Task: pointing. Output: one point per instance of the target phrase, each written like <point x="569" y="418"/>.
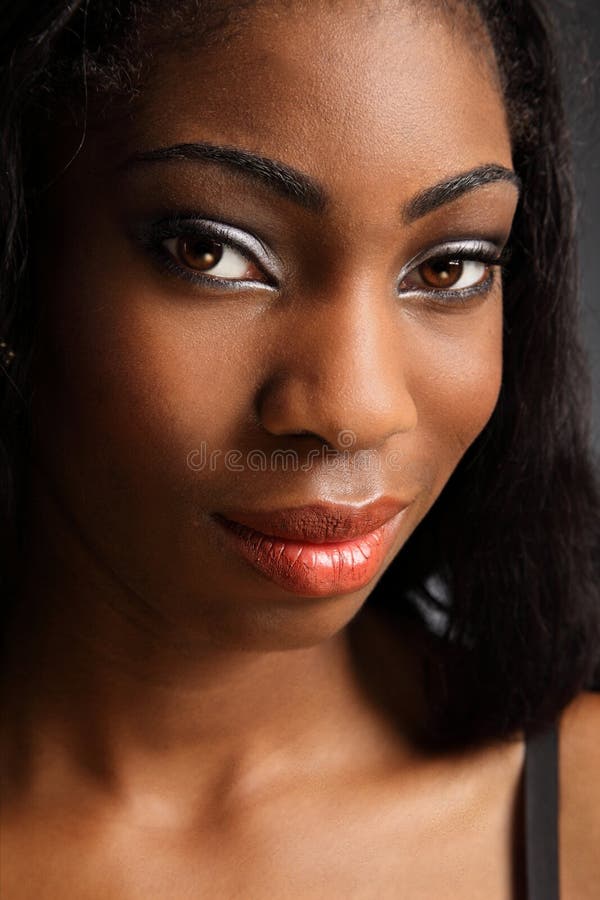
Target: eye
<point x="444" y="273"/>
<point x="203" y="251"/>
<point x="456" y="271"/>
<point x="203" y="254"/>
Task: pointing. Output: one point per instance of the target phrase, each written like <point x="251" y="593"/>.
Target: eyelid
<point x="476" y="250"/>
<point x="244" y="242"/>
<point x="153" y="233"/>
<point x="482" y="250"/>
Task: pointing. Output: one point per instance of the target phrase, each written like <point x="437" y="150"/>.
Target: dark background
<point x="579" y="36"/>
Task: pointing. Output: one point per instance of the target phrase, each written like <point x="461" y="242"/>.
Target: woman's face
<point x="315" y="323"/>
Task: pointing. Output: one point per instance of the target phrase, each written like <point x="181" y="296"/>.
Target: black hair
<point x="507" y="561"/>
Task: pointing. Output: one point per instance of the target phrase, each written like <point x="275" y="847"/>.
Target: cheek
<point x="131" y="381"/>
<point x="458" y="383"/>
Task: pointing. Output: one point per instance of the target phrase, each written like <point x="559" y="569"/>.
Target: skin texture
<point x="190" y="728"/>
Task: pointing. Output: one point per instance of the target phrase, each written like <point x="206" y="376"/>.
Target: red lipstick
<point x="319" y="550"/>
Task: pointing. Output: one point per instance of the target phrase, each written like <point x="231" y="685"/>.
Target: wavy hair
<point x="507" y="561"/>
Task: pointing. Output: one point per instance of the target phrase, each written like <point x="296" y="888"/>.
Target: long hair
<point x="514" y="538"/>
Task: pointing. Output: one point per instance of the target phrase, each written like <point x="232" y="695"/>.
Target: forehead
<point x="346" y="91"/>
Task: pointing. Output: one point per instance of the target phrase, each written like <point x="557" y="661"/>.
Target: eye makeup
<point x="489" y="254"/>
<point x="459" y="257"/>
<point x="154" y="235"/>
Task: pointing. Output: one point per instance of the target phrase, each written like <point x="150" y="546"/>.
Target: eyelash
<point x="466" y="251"/>
<point x="153" y="236"/>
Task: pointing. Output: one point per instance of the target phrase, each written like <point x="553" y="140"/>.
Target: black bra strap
<point x="541" y="814"/>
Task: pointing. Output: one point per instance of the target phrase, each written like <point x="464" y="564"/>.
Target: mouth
<point x="320" y="550"/>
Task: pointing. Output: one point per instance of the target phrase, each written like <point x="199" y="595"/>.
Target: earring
<point x="6" y="354"/>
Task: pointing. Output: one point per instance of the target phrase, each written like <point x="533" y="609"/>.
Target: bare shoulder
<point x="579" y="786"/>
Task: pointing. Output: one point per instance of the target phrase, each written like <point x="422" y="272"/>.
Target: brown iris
<point x="199" y="253"/>
<point x="441" y="273"/>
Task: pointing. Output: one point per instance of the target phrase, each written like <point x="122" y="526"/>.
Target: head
<point x="151" y="393"/>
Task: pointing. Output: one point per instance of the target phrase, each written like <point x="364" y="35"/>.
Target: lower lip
<point x="314" y="570"/>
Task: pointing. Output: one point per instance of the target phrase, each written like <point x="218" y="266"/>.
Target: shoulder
<point x="579" y="793"/>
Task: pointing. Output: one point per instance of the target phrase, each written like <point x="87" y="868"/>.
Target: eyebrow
<point x="307" y="191"/>
<point x="278" y="176"/>
<point x="431" y="198"/>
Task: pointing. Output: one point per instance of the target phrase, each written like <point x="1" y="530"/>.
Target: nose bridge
<point x="342" y="370"/>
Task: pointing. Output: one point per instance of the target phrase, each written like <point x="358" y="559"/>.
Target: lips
<point x="320" y="523"/>
<point x="318" y="550"/>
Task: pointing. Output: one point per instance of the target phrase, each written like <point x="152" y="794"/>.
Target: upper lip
<point x="320" y="523"/>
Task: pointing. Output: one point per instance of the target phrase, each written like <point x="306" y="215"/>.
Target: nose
<point x="342" y="372"/>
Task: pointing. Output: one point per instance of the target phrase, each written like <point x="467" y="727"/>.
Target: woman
<point x="301" y="567"/>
